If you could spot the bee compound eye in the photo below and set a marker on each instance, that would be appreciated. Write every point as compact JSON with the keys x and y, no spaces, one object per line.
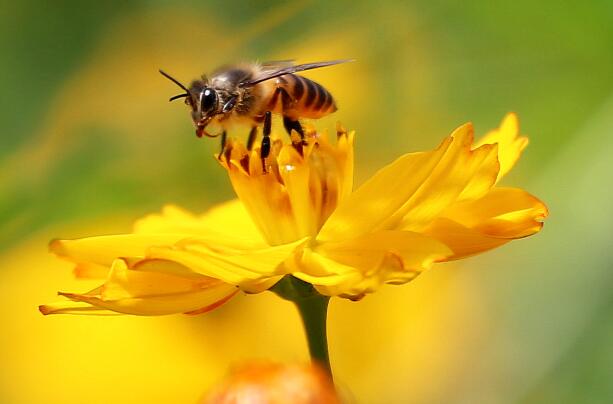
{"x":208,"y":99}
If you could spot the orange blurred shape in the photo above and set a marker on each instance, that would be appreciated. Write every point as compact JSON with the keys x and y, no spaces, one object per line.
{"x":274,"y":383}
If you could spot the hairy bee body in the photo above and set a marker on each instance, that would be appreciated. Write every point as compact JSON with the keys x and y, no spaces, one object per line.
{"x":307,"y":99}
{"x":250,"y":93}
{"x":300,"y":97}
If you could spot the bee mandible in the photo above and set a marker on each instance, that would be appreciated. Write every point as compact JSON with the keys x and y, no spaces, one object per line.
{"x":247,"y":93}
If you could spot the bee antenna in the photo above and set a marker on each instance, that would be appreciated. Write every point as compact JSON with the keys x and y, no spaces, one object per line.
{"x":176,"y":97}
{"x":169,"y":77}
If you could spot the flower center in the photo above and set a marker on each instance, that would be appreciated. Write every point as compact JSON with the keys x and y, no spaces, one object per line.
{"x":291,"y":193}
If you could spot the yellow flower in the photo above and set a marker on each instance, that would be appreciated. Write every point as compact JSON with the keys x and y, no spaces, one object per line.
{"x":296,"y":214}
{"x":423,"y":208}
{"x":172,"y":263}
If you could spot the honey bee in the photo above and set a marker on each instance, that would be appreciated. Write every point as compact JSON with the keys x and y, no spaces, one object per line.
{"x":250,"y":93}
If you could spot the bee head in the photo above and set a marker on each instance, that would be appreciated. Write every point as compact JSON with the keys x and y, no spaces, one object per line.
{"x":202,"y":99}
{"x":204,"y":102}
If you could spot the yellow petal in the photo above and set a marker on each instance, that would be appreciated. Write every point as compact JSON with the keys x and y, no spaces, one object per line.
{"x":416,"y":250}
{"x":155,"y":305}
{"x":172,"y":219}
{"x":246,"y":269}
{"x":381,"y":196}
{"x":358,"y":266}
{"x":472,"y":227}
{"x":463,"y":241}
{"x":296,"y":177}
{"x":329,"y":277}
{"x":151,"y":278}
{"x":232,"y":219}
{"x":138,"y":291}
{"x":70,"y":307}
{"x":212,"y":306}
{"x":485,"y":174}
{"x":85,"y":270}
{"x":502,"y":213}
{"x":103,"y":250}
{"x":228,"y":221}
{"x":267,"y":203}
{"x":345,"y":161}
{"x":510,"y":144}
{"x":453,"y":175}
{"x":227,"y":225}
{"x":411,"y":192}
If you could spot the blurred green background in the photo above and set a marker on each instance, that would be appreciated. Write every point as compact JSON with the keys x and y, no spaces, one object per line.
{"x":89,"y":143}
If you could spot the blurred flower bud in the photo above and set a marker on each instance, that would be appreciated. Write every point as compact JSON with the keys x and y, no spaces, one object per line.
{"x":273,"y":383}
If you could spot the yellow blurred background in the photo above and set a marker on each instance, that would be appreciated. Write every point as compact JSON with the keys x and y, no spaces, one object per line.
{"x":89,"y":143}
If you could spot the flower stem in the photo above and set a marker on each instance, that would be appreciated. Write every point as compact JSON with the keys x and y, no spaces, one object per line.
{"x":314,"y":313}
{"x":313,"y":309}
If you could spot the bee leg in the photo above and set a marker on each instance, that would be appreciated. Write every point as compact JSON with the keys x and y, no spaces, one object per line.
{"x":224,"y":136}
{"x":275,"y":98}
{"x":265,"y":148}
{"x":287,"y":103}
{"x":251,"y":139}
{"x":292,"y":124}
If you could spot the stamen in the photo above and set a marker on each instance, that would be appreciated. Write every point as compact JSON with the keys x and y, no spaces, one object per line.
{"x":228,"y":155}
{"x":340,"y":130}
{"x":297,"y":142}
{"x":245,"y":163}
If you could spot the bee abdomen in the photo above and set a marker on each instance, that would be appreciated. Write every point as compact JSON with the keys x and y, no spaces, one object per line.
{"x":311,"y":100}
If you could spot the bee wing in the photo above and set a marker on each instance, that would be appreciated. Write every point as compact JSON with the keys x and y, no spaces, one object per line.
{"x":267,"y":75}
{"x":277,"y":64}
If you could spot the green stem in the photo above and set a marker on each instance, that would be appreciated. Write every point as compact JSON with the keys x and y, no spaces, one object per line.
{"x":314,"y":313}
{"x":313,"y":309}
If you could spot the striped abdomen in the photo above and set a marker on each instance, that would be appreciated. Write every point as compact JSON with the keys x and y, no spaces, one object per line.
{"x":307,"y":99}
